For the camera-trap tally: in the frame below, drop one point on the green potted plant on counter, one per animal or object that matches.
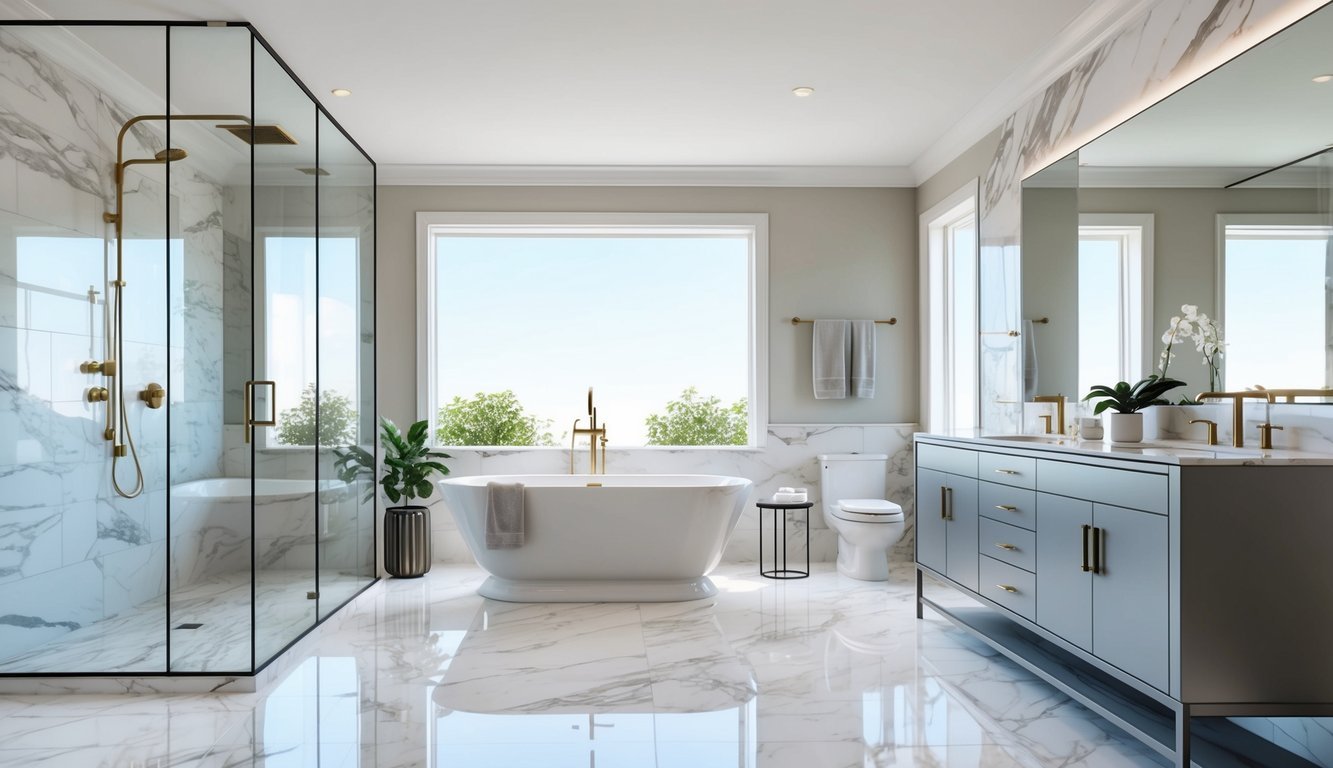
(1125, 401)
(409, 466)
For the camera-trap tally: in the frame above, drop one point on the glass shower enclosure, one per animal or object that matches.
(187, 261)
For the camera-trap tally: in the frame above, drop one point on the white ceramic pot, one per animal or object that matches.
(1124, 427)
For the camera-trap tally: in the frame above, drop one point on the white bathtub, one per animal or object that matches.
(211, 523)
(634, 538)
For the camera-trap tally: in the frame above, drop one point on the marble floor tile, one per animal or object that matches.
(822, 672)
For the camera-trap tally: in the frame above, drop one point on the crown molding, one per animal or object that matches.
(646, 176)
(1102, 20)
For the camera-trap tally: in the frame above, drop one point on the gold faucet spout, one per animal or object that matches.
(1237, 409)
(1059, 401)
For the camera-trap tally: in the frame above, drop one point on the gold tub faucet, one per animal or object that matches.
(595, 435)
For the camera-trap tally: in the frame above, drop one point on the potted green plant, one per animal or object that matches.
(409, 466)
(1125, 401)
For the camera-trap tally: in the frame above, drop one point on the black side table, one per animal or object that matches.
(780, 511)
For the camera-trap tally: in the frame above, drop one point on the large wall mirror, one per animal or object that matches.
(1217, 198)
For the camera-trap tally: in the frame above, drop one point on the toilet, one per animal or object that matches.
(852, 487)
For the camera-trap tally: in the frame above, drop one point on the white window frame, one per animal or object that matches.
(1135, 230)
(936, 313)
(1312, 221)
(753, 225)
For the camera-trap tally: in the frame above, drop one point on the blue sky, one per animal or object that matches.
(638, 319)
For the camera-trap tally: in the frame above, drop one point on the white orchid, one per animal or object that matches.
(1203, 331)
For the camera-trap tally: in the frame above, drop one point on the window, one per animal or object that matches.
(1114, 298)
(295, 310)
(522, 313)
(950, 378)
(1273, 277)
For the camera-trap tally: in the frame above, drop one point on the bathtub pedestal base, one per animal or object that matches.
(628, 591)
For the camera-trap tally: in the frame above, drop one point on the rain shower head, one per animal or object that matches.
(171, 155)
(259, 134)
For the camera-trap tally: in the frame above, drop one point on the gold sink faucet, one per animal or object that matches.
(1059, 401)
(595, 435)
(1237, 409)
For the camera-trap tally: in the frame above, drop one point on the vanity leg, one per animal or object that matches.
(918, 593)
(1183, 736)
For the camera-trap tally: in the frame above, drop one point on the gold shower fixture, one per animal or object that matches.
(153, 395)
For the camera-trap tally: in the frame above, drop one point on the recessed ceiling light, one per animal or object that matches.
(801, 91)
(1322, 78)
(341, 92)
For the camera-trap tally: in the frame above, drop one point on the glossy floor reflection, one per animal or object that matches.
(819, 672)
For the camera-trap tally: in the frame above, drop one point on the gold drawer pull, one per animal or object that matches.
(1007, 588)
(1007, 547)
(1008, 472)
(1006, 507)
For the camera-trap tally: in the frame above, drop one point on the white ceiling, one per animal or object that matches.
(640, 83)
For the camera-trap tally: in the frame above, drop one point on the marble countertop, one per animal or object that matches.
(1180, 452)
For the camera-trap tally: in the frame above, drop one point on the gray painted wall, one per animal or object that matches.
(832, 253)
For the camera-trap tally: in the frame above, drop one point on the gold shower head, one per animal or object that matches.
(171, 155)
(259, 134)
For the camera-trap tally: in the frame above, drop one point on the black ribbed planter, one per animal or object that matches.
(407, 541)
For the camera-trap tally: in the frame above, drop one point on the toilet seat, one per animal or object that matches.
(868, 511)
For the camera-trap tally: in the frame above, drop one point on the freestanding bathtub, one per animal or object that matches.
(604, 538)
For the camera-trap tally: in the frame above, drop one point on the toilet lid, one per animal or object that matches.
(868, 511)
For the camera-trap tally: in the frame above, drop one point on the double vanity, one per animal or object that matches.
(1153, 584)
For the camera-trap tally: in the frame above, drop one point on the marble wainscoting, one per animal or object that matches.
(788, 459)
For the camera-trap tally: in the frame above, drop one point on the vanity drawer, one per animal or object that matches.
(1018, 471)
(1118, 487)
(1015, 506)
(997, 581)
(1013, 545)
(955, 461)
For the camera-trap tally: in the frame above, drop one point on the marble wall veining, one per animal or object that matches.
(788, 459)
(71, 551)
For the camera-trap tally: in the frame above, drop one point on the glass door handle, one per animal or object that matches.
(250, 420)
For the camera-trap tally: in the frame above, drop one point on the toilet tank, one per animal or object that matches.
(852, 476)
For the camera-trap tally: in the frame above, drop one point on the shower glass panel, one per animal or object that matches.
(209, 344)
(283, 397)
(345, 183)
(186, 337)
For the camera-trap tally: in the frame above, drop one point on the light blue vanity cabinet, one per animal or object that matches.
(947, 524)
(1153, 587)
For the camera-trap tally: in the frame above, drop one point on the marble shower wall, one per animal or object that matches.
(789, 459)
(1173, 43)
(71, 551)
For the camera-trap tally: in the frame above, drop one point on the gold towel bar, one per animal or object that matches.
(890, 321)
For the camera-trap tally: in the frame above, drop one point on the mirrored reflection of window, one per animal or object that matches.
(1275, 298)
(1114, 298)
(331, 314)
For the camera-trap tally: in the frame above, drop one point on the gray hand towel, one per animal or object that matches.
(863, 358)
(832, 349)
(504, 515)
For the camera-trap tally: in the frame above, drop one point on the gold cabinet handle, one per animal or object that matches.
(944, 503)
(1096, 550)
(1006, 507)
(948, 497)
(1007, 472)
(1007, 588)
(1006, 547)
(1086, 529)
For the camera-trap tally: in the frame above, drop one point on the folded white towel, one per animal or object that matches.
(862, 368)
(504, 515)
(832, 350)
(790, 498)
